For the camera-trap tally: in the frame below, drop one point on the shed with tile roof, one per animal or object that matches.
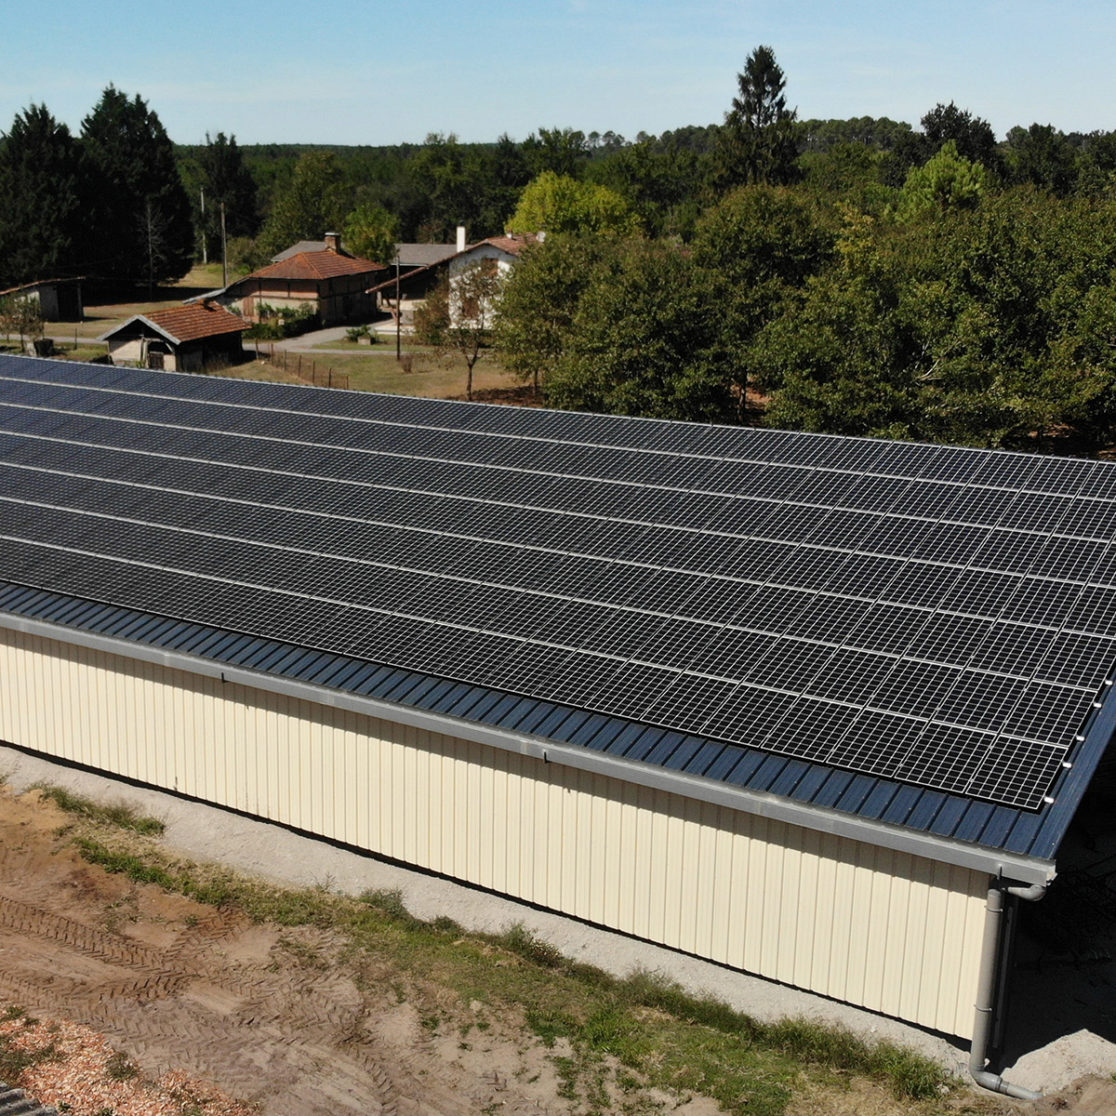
(182, 339)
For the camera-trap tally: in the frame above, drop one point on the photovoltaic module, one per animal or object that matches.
(939, 616)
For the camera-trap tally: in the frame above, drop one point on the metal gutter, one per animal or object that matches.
(821, 819)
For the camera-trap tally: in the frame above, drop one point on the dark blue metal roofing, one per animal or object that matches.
(1022, 832)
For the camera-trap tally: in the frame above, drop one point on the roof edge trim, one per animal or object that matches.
(147, 322)
(821, 819)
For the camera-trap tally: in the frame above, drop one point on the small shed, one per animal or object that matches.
(182, 339)
(59, 299)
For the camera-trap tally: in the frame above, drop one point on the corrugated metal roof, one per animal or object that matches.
(1023, 832)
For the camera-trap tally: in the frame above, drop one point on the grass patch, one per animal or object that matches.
(118, 813)
(642, 1028)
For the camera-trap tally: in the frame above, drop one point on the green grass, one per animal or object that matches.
(662, 1036)
(117, 813)
(376, 369)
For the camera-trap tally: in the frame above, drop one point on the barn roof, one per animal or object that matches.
(184, 323)
(312, 266)
(920, 637)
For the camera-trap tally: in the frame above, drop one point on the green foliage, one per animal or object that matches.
(972, 137)
(647, 339)
(947, 181)
(310, 205)
(219, 178)
(43, 221)
(661, 182)
(983, 327)
(560, 151)
(21, 316)
(536, 310)
(140, 214)
(369, 232)
(1040, 156)
(759, 142)
(278, 322)
(555, 203)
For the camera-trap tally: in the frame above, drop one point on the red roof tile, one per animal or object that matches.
(315, 265)
(188, 323)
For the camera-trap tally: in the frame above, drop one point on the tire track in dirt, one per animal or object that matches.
(267, 1013)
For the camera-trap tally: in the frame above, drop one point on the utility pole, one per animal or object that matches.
(398, 312)
(224, 250)
(205, 239)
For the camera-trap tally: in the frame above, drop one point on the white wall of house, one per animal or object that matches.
(889, 931)
(504, 263)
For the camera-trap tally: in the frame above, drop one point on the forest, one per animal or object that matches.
(859, 276)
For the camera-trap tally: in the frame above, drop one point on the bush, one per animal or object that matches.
(278, 322)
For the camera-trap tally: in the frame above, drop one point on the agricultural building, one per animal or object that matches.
(819, 708)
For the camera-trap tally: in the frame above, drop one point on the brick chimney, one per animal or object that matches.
(461, 238)
(333, 242)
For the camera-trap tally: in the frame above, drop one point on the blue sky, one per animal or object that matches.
(375, 73)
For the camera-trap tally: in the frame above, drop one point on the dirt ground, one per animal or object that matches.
(263, 1013)
(270, 1016)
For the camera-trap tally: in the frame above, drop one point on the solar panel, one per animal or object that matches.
(935, 615)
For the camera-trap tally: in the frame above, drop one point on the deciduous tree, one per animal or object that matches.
(647, 340)
(311, 204)
(370, 233)
(458, 316)
(555, 203)
(539, 302)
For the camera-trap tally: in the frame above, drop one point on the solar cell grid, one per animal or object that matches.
(767, 480)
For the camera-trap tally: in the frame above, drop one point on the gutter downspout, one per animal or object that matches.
(986, 988)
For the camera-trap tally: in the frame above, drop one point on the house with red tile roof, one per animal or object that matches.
(182, 339)
(332, 282)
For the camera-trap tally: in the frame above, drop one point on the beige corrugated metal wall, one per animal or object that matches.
(889, 931)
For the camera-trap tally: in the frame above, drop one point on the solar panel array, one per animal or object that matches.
(939, 616)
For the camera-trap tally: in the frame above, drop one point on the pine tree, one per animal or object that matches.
(43, 214)
(759, 140)
(142, 213)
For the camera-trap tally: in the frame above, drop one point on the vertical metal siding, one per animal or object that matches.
(892, 932)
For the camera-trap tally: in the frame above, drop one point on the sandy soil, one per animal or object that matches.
(268, 1016)
(263, 1012)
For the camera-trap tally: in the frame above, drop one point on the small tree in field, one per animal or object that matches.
(23, 316)
(458, 316)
